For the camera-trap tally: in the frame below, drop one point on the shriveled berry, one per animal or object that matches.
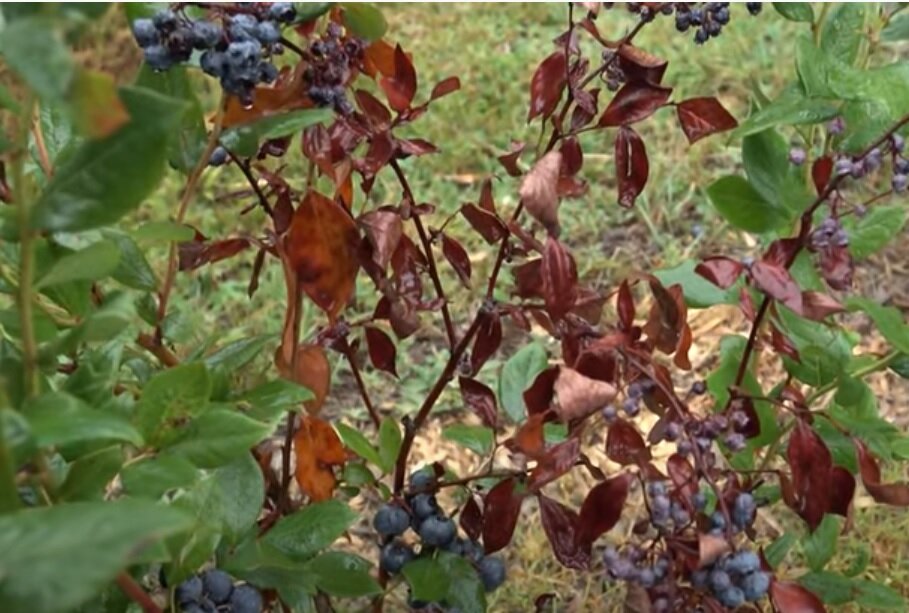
(492, 572)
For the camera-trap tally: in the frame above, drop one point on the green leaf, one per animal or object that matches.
(60, 140)
(829, 587)
(133, 270)
(555, 433)
(343, 574)
(33, 47)
(776, 551)
(105, 179)
(354, 440)
(861, 560)
(791, 109)
(869, 234)
(56, 418)
(216, 437)
(478, 439)
(517, 375)
(243, 140)
(307, 11)
(855, 408)
(356, 474)
(365, 20)
(699, 292)
(92, 263)
(264, 566)
(841, 446)
(152, 477)
(743, 206)
(795, 11)
(465, 590)
(874, 596)
(889, 321)
(270, 400)
(824, 351)
(389, 443)
(237, 354)
(765, 156)
(820, 545)
(901, 366)
(427, 578)
(175, 393)
(231, 497)
(163, 232)
(88, 476)
(311, 529)
(896, 30)
(842, 31)
(46, 565)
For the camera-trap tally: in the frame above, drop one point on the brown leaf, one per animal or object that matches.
(529, 437)
(416, 146)
(195, 254)
(638, 65)
(321, 250)
(528, 279)
(722, 272)
(547, 84)
(471, 518)
(488, 339)
(312, 372)
(539, 191)
(561, 526)
(480, 399)
(457, 257)
(624, 444)
(841, 491)
(580, 396)
(379, 58)
(776, 282)
(572, 157)
(557, 461)
(818, 306)
(682, 475)
(625, 306)
(501, 509)
(701, 117)
(636, 100)
(401, 88)
(560, 278)
(790, 597)
(631, 166)
(383, 229)
(377, 113)
(667, 318)
(811, 465)
(487, 224)
(381, 149)
(538, 397)
(318, 449)
(896, 494)
(382, 351)
(445, 87)
(602, 508)
(510, 160)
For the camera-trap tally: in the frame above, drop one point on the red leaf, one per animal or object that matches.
(572, 157)
(585, 109)
(547, 84)
(480, 399)
(597, 364)
(776, 282)
(561, 526)
(624, 444)
(382, 350)
(401, 88)
(636, 100)
(819, 306)
(625, 307)
(538, 397)
(896, 494)
(416, 146)
(821, 171)
(557, 461)
(782, 252)
(837, 267)
(501, 509)
(445, 87)
(668, 317)
(722, 272)
(841, 491)
(602, 508)
(383, 229)
(487, 342)
(539, 191)
(580, 396)
(631, 166)
(195, 254)
(528, 279)
(457, 257)
(701, 117)
(560, 278)
(638, 65)
(487, 224)
(793, 598)
(682, 474)
(510, 160)
(486, 201)
(471, 518)
(811, 466)
(781, 343)
(380, 151)
(374, 110)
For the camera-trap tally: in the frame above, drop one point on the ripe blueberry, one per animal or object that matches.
(423, 478)
(754, 7)
(391, 520)
(145, 32)
(437, 531)
(755, 585)
(492, 572)
(218, 157)
(394, 556)
(206, 34)
(899, 182)
(719, 580)
(732, 597)
(189, 591)
(246, 599)
(217, 585)
(282, 11)
(267, 32)
(165, 20)
(424, 505)
(158, 57)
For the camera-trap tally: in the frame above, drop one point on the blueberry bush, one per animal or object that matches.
(141, 473)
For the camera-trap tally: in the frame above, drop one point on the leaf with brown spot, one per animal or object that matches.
(561, 526)
(501, 509)
(701, 117)
(457, 256)
(721, 271)
(382, 351)
(558, 460)
(896, 494)
(560, 278)
(790, 597)
(776, 282)
(400, 88)
(487, 224)
(580, 396)
(602, 508)
(539, 191)
(321, 250)
(624, 444)
(480, 399)
(636, 100)
(95, 105)
(312, 372)
(547, 84)
(317, 449)
(631, 166)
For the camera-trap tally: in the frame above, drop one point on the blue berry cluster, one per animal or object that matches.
(664, 511)
(236, 49)
(214, 590)
(733, 579)
(706, 18)
(857, 167)
(829, 233)
(435, 530)
(634, 565)
(703, 432)
(743, 513)
(329, 69)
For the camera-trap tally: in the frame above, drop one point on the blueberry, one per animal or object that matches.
(699, 579)
(713, 28)
(717, 522)
(246, 599)
(218, 157)
(158, 57)
(719, 580)
(743, 510)
(735, 441)
(244, 54)
(165, 20)
(722, 15)
(660, 504)
(472, 550)
(755, 585)
(267, 32)
(901, 165)
(743, 562)
(217, 585)
(242, 26)
(145, 32)
(189, 591)
(207, 606)
(754, 7)
(699, 501)
(437, 531)
(424, 478)
(898, 143)
(424, 506)
(697, 17)
(391, 520)
(282, 11)
(680, 515)
(611, 556)
(609, 412)
(205, 34)
(492, 572)
(899, 182)
(656, 488)
(797, 156)
(698, 388)
(646, 577)
(394, 556)
(268, 72)
(673, 431)
(683, 448)
(631, 407)
(731, 598)
(701, 36)
(212, 63)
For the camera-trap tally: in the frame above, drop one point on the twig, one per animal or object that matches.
(137, 594)
(167, 357)
(244, 167)
(361, 385)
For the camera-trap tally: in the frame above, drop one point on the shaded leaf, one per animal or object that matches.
(501, 508)
(561, 526)
(382, 350)
(457, 256)
(480, 399)
(602, 508)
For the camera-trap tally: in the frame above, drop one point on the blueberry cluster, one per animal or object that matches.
(214, 590)
(634, 566)
(614, 74)
(829, 233)
(706, 18)
(703, 432)
(435, 530)
(857, 167)
(236, 48)
(743, 512)
(330, 66)
(733, 579)
(663, 510)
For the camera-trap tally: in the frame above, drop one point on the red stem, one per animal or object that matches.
(135, 593)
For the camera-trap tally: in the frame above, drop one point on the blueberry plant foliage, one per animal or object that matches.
(136, 472)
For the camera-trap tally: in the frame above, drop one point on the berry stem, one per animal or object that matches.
(135, 593)
(244, 167)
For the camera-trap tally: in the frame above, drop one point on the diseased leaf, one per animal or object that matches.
(539, 191)
(317, 449)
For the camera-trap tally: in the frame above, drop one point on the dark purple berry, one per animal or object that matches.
(246, 599)
(145, 32)
(735, 441)
(217, 585)
(206, 34)
(391, 520)
(899, 183)
(897, 143)
(394, 556)
(158, 57)
(424, 478)
(424, 506)
(843, 166)
(492, 572)
(282, 11)
(437, 531)
(189, 591)
(165, 20)
(722, 15)
(754, 7)
(732, 597)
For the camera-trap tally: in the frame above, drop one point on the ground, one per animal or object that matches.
(494, 49)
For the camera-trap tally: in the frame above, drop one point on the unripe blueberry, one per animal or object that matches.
(189, 591)
(394, 556)
(899, 182)
(836, 126)
(797, 156)
(145, 32)
(437, 531)
(492, 572)
(755, 585)
(391, 520)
